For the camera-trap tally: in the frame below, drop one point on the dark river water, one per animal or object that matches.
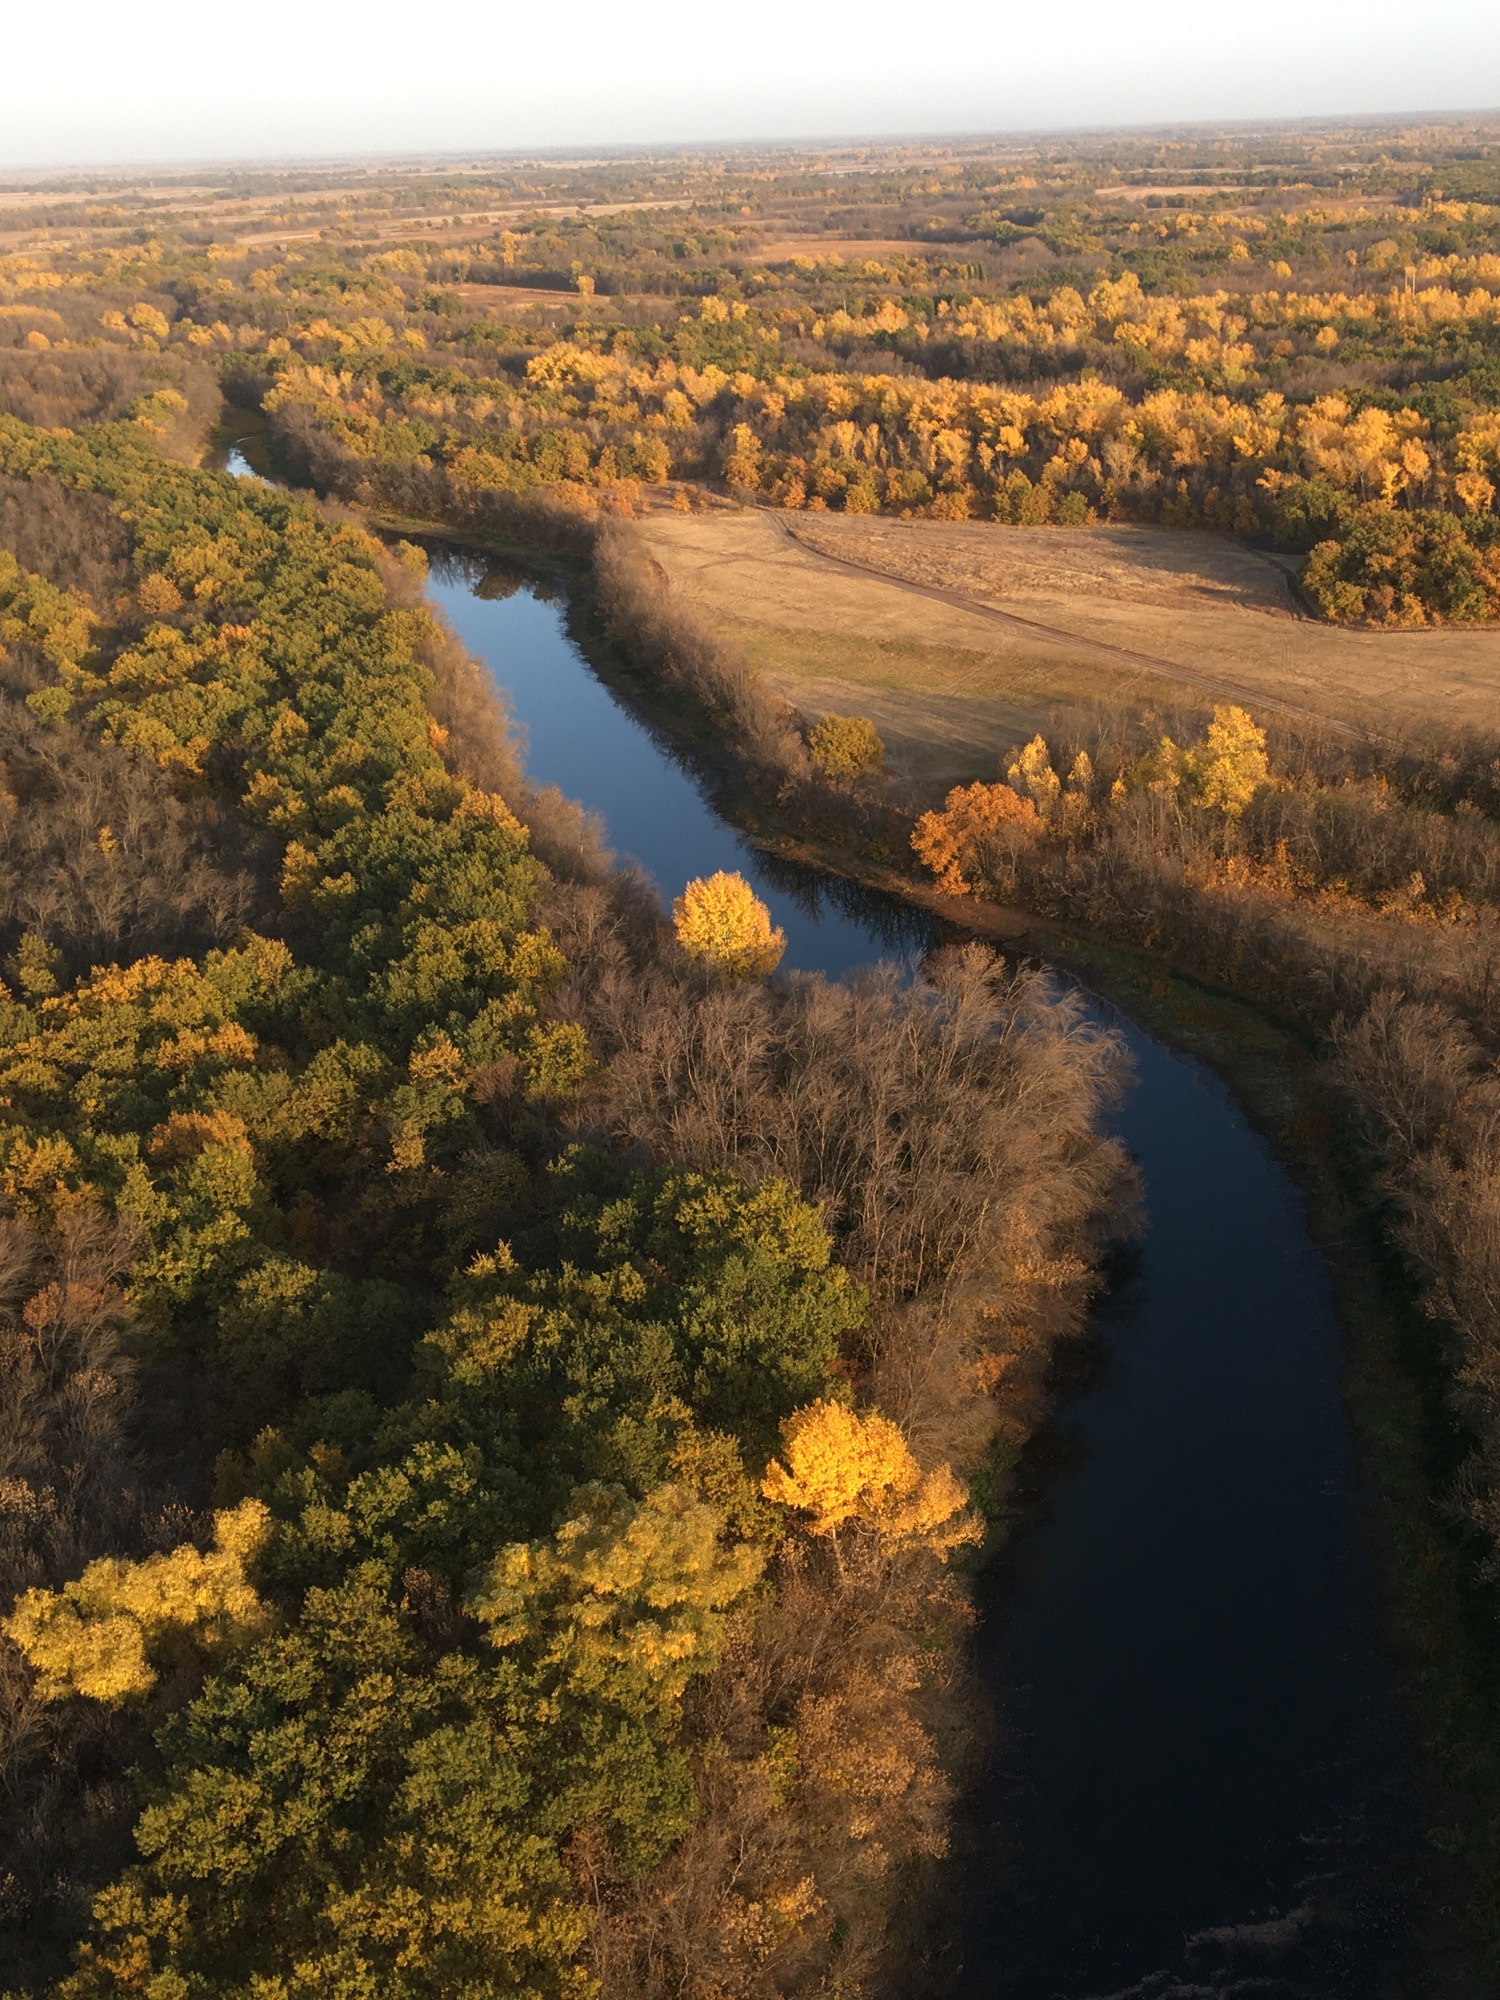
(1200, 1785)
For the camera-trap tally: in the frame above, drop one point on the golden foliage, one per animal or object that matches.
(720, 920)
(1230, 767)
(1033, 775)
(626, 1594)
(1222, 774)
(973, 842)
(159, 595)
(93, 1636)
(845, 747)
(842, 1468)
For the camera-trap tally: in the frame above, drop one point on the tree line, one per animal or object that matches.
(1041, 345)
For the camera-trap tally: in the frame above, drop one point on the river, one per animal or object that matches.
(1201, 1787)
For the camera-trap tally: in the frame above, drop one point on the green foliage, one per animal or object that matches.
(1395, 568)
(380, 1794)
(645, 1310)
(625, 1602)
(349, 1818)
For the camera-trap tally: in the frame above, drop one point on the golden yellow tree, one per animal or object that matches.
(1229, 768)
(1076, 814)
(720, 920)
(93, 1636)
(629, 1595)
(845, 1469)
(845, 747)
(1032, 775)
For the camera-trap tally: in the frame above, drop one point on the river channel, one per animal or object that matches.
(1200, 1785)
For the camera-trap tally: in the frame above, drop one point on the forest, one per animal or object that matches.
(486, 1406)
(504, 1394)
(1299, 347)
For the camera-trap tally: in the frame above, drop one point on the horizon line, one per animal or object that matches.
(375, 158)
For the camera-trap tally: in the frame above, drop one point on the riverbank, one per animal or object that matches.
(606, 732)
(1439, 1616)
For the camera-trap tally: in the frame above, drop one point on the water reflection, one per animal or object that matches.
(579, 737)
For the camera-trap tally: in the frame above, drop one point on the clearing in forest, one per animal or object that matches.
(956, 638)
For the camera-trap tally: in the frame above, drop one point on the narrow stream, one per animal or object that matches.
(1201, 1789)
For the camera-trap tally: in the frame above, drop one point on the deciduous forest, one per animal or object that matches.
(504, 1392)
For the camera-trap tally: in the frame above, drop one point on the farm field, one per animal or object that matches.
(1166, 619)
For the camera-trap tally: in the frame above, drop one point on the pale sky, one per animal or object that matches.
(98, 81)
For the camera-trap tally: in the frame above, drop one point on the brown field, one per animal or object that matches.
(503, 296)
(784, 248)
(971, 632)
(1184, 187)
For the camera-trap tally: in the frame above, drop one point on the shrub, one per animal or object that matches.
(845, 747)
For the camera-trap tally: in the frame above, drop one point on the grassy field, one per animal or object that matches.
(970, 633)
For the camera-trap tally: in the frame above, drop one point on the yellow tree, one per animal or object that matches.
(1077, 808)
(842, 1469)
(1228, 769)
(1033, 775)
(845, 747)
(628, 1596)
(720, 920)
(93, 1636)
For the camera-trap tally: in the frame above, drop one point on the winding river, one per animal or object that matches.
(1201, 1786)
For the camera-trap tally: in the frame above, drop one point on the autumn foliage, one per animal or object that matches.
(842, 1469)
(413, 1261)
(845, 747)
(94, 1636)
(974, 842)
(720, 921)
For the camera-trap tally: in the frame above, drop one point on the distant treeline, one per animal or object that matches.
(1039, 339)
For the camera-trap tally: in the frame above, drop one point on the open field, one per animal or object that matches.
(781, 249)
(971, 632)
(503, 298)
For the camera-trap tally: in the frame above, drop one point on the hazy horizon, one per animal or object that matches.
(196, 92)
(582, 150)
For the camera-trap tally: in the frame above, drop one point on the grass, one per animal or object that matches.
(1206, 618)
